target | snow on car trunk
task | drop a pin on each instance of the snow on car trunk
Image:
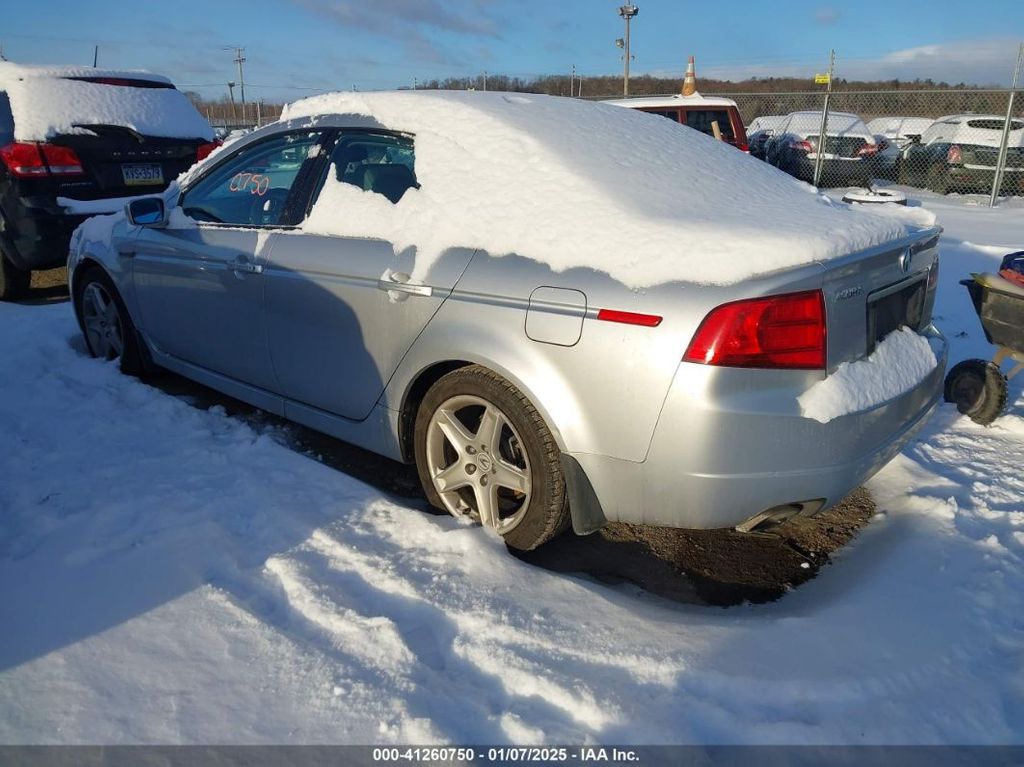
(581, 185)
(47, 102)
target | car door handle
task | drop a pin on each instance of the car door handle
(245, 266)
(398, 282)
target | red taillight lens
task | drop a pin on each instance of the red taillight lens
(743, 147)
(868, 149)
(62, 160)
(23, 160)
(203, 150)
(954, 154)
(27, 160)
(786, 331)
(803, 146)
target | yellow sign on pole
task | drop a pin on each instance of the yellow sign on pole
(821, 79)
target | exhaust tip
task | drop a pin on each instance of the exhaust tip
(776, 515)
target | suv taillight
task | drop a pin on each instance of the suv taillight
(29, 160)
(786, 331)
(204, 150)
(868, 149)
(954, 154)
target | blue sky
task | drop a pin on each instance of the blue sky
(297, 47)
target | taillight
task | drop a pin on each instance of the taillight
(204, 150)
(743, 147)
(786, 331)
(62, 160)
(954, 154)
(28, 160)
(23, 160)
(803, 146)
(868, 149)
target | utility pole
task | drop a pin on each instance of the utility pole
(1004, 143)
(95, 56)
(572, 82)
(240, 59)
(627, 12)
(231, 93)
(485, 81)
(823, 132)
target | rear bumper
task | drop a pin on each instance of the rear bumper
(36, 235)
(982, 179)
(727, 450)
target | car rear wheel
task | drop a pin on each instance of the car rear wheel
(107, 327)
(14, 282)
(483, 451)
(938, 180)
(978, 388)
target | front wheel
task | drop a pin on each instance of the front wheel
(483, 451)
(979, 390)
(107, 327)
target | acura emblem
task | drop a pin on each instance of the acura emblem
(905, 261)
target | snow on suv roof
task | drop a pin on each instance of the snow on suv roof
(672, 101)
(899, 127)
(578, 184)
(975, 129)
(47, 101)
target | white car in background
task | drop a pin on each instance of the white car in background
(849, 148)
(896, 133)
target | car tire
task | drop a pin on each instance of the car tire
(14, 282)
(903, 177)
(483, 450)
(979, 390)
(938, 181)
(106, 325)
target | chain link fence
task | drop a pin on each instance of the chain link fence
(948, 141)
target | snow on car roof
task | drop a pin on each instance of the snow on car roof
(46, 102)
(577, 184)
(839, 123)
(677, 100)
(766, 122)
(899, 127)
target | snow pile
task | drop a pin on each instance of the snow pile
(581, 185)
(45, 103)
(899, 363)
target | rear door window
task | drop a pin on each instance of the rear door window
(701, 119)
(253, 187)
(381, 163)
(671, 114)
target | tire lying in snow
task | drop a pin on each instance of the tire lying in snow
(978, 389)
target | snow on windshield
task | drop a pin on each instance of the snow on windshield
(577, 184)
(45, 103)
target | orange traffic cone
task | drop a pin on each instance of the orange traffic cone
(690, 81)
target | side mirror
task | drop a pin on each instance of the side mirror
(146, 211)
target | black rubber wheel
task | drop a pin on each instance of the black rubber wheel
(938, 180)
(14, 282)
(978, 388)
(106, 325)
(903, 173)
(523, 444)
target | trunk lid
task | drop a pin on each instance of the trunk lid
(869, 295)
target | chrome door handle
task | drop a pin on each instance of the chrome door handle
(399, 283)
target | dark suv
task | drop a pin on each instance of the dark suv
(73, 141)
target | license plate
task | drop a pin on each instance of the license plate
(905, 307)
(142, 175)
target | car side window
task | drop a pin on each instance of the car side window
(252, 187)
(701, 119)
(381, 163)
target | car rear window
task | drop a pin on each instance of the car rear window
(122, 81)
(671, 114)
(701, 119)
(45, 107)
(994, 124)
(6, 120)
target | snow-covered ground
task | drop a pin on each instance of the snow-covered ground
(173, 575)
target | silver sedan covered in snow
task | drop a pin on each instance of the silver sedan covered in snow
(562, 312)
